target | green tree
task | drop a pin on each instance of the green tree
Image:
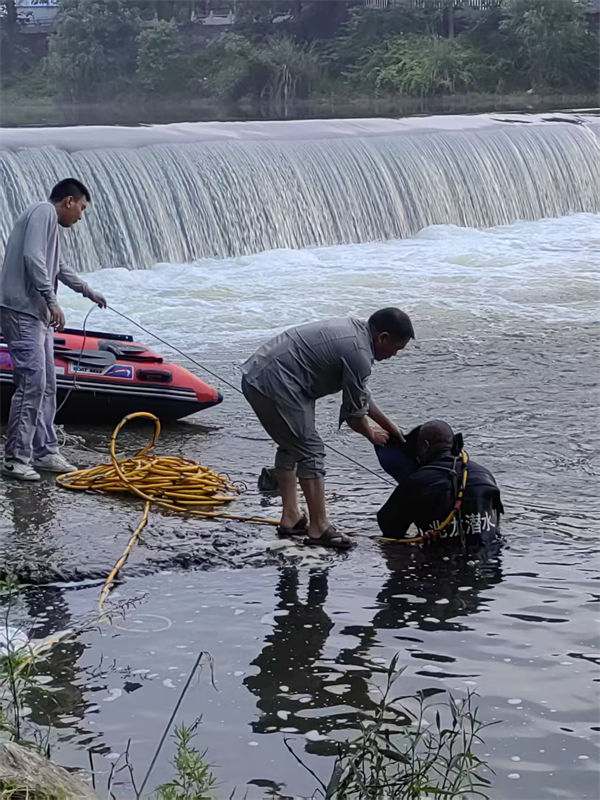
(234, 68)
(292, 71)
(9, 28)
(357, 46)
(254, 17)
(162, 64)
(552, 42)
(320, 19)
(277, 71)
(93, 50)
(302, 20)
(178, 10)
(428, 65)
(16, 56)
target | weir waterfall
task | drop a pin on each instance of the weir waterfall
(185, 191)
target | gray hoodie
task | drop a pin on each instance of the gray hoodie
(33, 264)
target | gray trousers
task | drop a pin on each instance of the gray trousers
(30, 431)
(299, 446)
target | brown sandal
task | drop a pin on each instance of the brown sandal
(331, 538)
(299, 529)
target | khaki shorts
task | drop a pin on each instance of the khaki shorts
(292, 428)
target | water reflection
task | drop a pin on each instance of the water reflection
(426, 591)
(429, 589)
(292, 679)
(30, 505)
(298, 689)
(31, 510)
(32, 539)
(62, 697)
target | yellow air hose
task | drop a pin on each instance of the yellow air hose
(171, 482)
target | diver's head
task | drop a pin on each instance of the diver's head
(436, 438)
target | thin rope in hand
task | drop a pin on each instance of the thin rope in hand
(76, 368)
(239, 391)
(177, 350)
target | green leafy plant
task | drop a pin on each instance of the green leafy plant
(427, 65)
(552, 42)
(276, 71)
(400, 755)
(193, 779)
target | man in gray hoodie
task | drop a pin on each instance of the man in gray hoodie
(29, 314)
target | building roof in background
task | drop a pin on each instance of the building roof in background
(36, 16)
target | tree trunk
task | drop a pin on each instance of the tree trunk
(10, 40)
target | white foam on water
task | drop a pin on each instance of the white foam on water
(503, 279)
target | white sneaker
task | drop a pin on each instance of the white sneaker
(54, 462)
(18, 470)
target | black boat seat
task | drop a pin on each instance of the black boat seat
(119, 337)
(130, 352)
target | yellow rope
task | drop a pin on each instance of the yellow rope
(115, 570)
(171, 482)
(388, 540)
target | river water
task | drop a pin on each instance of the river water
(506, 351)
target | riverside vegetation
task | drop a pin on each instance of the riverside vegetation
(282, 59)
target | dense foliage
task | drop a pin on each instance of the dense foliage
(105, 48)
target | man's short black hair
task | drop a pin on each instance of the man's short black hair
(392, 321)
(69, 187)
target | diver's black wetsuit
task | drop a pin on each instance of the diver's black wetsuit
(426, 495)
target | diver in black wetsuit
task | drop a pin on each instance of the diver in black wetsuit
(431, 468)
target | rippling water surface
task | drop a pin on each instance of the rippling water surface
(506, 352)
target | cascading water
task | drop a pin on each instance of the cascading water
(181, 192)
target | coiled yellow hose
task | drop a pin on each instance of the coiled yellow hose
(171, 482)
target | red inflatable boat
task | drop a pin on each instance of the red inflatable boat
(106, 376)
